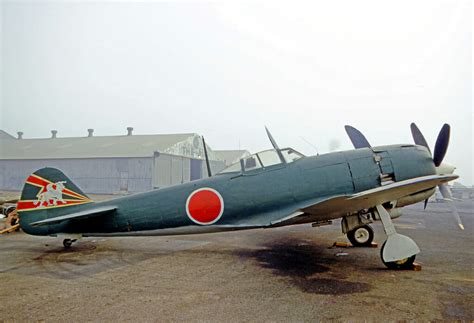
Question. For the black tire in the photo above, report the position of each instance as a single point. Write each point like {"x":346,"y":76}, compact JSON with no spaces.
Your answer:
{"x":406,"y":263}
{"x":361,"y":236}
{"x":67,"y":243}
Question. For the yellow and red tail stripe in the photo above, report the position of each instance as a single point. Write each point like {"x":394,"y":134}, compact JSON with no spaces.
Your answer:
{"x":41,"y":182}
{"x":33,"y":205}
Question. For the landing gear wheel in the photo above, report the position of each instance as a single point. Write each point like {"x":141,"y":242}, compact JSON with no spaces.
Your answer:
{"x":67,"y":243}
{"x":406,"y":263}
{"x":361,"y":236}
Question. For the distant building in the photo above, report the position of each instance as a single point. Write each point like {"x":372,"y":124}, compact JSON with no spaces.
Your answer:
{"x":109,"y":164}
{"x":462,"y":192}
{"x":5,"y":135}
{"x":231,"y":156}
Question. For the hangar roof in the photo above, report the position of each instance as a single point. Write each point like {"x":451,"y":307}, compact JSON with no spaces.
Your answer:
{"x":5,"y":135}
{"x":92,"y":147}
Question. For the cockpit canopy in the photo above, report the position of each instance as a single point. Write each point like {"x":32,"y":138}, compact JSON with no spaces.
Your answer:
{"x":262,"y":160}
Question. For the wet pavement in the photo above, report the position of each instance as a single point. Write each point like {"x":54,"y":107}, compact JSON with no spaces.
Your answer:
{"x":284,"y":274}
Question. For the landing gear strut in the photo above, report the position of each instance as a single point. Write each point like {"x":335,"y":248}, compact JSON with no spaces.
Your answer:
{"x":398,"y":251}
{"x":67,"y":243}
{"x":361,"y":236}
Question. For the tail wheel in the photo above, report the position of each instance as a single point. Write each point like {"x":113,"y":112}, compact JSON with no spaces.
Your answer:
{"x":406,"y":263}
{"x":67,"y":243}
{"x":361,"y":236}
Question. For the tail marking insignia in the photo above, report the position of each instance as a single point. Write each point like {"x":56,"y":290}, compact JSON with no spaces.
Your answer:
{"x":50,"y":195}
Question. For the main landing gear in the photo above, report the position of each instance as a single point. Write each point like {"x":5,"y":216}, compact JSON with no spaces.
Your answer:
{"x":398,"y":251}
{"x":361,"y":236}
{"x":405,"y":263}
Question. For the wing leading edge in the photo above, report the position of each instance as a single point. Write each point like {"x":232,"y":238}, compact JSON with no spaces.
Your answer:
{"x":344,"y":204}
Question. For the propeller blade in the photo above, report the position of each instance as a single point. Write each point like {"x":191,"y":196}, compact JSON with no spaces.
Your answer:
{"x":418,"y":136}
{"x":357,"y":138}
{"x":426,"y":203}
{"x":442,"y":143}
{"x":455,"y":213}
{"x":446,"y":192}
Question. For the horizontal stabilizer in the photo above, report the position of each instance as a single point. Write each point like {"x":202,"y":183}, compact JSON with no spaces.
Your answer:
{"x":89,"y":213}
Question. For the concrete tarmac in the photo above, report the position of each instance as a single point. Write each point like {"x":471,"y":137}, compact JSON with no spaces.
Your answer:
{"x":285,"y":274}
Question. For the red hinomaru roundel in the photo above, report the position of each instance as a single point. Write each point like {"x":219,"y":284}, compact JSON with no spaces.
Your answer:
{"x":205,"y":206}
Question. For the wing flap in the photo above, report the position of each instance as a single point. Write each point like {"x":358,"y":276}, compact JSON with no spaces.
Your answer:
{"x":93,"y":212}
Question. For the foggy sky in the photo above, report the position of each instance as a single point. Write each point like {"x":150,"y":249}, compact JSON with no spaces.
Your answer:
{"x":227,"y":69}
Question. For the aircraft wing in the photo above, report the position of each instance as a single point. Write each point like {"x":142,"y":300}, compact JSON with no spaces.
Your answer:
{"x":77,"y":215}
{"x":344,"y":204}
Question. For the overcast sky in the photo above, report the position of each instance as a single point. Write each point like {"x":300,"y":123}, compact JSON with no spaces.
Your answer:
{"x":226,"y":69}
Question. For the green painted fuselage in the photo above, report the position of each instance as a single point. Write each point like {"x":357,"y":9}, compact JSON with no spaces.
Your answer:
{"x":251,"y":199}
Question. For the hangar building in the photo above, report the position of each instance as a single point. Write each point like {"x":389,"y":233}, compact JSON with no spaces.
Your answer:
{"x":110,"y":164}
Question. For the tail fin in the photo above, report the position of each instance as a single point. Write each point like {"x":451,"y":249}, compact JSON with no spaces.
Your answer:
{"x":45,"y":193}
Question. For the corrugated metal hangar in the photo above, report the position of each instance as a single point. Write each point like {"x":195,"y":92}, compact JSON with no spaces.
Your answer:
{"x":111,"y":164}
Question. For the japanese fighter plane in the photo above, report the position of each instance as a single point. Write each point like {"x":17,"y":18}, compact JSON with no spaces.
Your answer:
{"x":272,"y":188}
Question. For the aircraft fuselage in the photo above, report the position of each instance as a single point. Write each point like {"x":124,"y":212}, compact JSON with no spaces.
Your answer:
{"x":269,"y":192}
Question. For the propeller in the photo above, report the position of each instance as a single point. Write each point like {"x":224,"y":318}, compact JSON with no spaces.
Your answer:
{"x":442,"y":142}
{"x":441,"y":147}
{"x":418,"y":137}
{"x":357,"y":138}
{"x":446,"y":192}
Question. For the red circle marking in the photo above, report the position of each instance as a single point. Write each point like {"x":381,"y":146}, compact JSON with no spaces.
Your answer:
{"x":205,"y":206}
